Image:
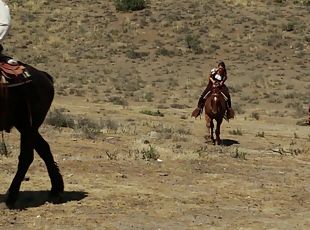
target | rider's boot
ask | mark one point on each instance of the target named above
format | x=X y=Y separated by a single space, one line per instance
x=230 y=111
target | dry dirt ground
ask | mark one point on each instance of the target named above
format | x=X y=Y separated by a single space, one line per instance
x=120 y=126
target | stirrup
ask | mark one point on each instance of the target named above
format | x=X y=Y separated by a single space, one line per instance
x=12 y=62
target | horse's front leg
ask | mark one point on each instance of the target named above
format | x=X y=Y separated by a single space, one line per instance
x=218 y=132
x=25 y=159
x=212 y=131
x=209 y=123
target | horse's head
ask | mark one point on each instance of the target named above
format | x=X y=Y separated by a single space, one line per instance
x=216 y=98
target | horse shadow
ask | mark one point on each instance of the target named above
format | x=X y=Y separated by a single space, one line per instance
x=229 y=142
x=31 y=199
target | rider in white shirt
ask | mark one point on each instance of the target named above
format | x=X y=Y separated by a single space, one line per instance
x=5 y=20
x=5 y=23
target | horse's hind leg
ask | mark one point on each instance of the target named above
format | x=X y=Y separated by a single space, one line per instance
x=25 y=159
x=44 y=151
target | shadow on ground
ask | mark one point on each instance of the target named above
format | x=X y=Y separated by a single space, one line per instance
x=30 y=199
x=229 y=142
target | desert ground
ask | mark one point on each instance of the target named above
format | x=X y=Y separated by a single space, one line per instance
x=120 y=126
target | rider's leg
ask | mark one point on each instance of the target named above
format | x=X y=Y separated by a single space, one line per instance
x=229 y=102
x=202 y=99
x=5 y=58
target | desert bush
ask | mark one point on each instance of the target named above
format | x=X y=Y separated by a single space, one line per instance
x=88 y=127
x=152 y=113
x=110 y=125
x=193 y=43
x=59 y=119
x=236 y=132
x=149 y=96
x=165 y=52
x=255 y=115
x=302 y=2
x=262 y=134
x=288 y=27
x=213 y=48
x=130 y=5
x=179 y=106
x=183 y=131
x=150 y=153
x=133 y=54
x=240 y=155
x=118 y=101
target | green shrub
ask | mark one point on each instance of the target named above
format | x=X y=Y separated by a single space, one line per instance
x=150 y=154
x=130 y=5
x=152 y=113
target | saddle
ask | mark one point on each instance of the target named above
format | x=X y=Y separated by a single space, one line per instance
x=13 y=74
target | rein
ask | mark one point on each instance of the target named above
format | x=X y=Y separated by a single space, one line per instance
x=8 y=85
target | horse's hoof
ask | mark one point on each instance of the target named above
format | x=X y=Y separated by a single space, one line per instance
x=11 y=199
x=56 y=197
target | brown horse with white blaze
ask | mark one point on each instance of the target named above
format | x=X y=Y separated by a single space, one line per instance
x=215 y=108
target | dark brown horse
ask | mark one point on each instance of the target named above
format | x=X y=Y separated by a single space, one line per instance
x=215 y=108
x=25 y=107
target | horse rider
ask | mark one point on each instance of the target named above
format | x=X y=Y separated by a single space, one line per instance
x=217 y=75
x=5 y=23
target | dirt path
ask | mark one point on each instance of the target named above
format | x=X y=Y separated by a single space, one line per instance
x=210 y=189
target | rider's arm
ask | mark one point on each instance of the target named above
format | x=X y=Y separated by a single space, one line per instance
x=224 y=79
x=211 y=78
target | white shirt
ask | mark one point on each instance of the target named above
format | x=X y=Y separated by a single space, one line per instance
x=5 y=17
